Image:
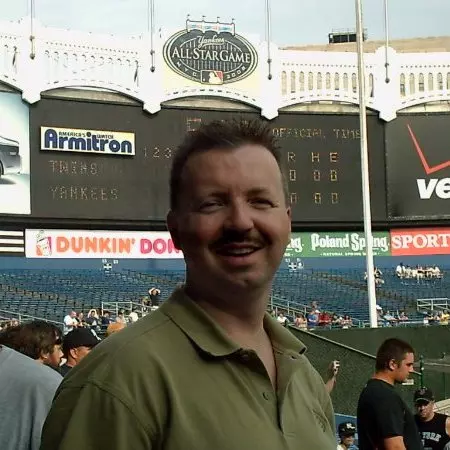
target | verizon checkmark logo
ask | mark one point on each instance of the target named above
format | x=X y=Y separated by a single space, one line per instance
x=428 y=169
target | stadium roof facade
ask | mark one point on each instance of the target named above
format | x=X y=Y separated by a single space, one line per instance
x=417 y=45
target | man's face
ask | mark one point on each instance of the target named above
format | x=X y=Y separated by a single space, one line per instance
x=80 y=352
x=54 y=358
x=232 y=223
x=348 y=441
x=404 y=368
x=424 y=409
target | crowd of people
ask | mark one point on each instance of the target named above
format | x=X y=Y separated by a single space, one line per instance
x=418 y=273
x=105 y=323
x=384 y=420
x=313 y=319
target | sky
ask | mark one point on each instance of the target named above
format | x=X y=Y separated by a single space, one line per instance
x=293 y=21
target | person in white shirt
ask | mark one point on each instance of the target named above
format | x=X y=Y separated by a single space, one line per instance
x=133 y=316
x=282 y=319
x=70 y=322
x=400 y=270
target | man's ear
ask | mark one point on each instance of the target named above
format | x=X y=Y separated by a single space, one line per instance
x=172 y=226
x=393 y=364
x=289 y=212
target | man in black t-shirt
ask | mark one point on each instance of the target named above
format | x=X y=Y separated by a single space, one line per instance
x=384 y=421
x=434 y=428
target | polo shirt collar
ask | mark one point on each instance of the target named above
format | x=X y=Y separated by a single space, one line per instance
x=211 y=338
x=198 y=325
x=282 y=339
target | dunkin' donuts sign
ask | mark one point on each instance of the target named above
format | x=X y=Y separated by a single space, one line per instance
x=210 y=53
x=99 y=244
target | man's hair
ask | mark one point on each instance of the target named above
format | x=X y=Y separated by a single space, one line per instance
x=391 y=349
x=33 y=339
x=222 y=135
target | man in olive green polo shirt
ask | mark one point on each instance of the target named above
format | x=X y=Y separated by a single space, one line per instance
x=209 y=369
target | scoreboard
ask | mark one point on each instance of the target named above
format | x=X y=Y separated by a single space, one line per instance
x=321 y=159
x=323 y=162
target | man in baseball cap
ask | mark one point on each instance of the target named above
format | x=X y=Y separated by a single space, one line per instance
x=346 y=431
x=76 y=345
x=434 y=428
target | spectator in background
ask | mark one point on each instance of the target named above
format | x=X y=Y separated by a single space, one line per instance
x=346 y=322
x=92 y=319
x=332 y=373
x=114 y=328
x=346 y=432
x=300 y=321
x=400 y=271
x=378 y=274
x=325 y=319
x=8 y=323
x=133 y=317
x=384 y=420
x=70 y=322
x=390 y=319
x=38 y=340
x=336 y=320
x=26 y=393
x=436 y=273
x=434 y=428
x=81 y=320
x=445 y=316
x=402 y=317
x=154 y=294
x=105 y=320
x=146 y=303
x=434 y=318
x=282 y=319
x=76 y=345
x=121 y=317
x=313 y=319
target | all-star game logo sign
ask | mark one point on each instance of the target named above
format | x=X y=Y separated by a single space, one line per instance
x=210 y=53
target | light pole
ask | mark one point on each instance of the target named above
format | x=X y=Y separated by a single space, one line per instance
x=365 y=167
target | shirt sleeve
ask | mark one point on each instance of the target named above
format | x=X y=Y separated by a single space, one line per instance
x=90 y=418
x=389 y=414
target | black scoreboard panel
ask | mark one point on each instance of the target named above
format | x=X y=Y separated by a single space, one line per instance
x=98 y=186
x=320 y=153
x=323 y=161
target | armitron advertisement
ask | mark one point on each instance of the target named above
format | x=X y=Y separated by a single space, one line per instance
x=328 y=244
x=426 y=241
x=99 y=244
x=87 y=141
x=418 y=167
x=14 y=155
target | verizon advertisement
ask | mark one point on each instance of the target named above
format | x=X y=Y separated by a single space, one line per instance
x=99 y=244
x=414 y=242
x=418 y=167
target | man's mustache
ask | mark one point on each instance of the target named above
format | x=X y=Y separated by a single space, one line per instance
x=237 y=237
